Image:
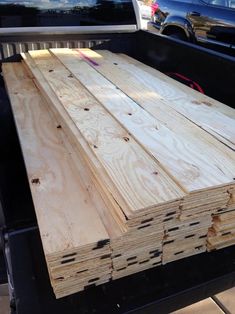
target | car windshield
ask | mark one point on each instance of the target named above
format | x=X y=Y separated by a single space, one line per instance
x=66 y=13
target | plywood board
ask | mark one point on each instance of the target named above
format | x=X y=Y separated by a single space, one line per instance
x=213 y=116
x=60 y=198
x=156 y=137
x=130 y=168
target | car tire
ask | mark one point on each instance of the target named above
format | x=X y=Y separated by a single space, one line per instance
x=177 y=34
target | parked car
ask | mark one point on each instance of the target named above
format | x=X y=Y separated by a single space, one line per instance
x=211 y=22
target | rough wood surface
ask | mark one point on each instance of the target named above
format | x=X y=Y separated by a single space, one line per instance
x=73 y=133
x=121 y=179
x=180 y=146
x=140 y=180
x=213 y=116
x=65 y=212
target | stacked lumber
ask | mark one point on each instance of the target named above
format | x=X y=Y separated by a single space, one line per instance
x=75 y=241
x=185 y=238
x=125 y=173
x=222 y=232
x=184 y=161
x=146 y=200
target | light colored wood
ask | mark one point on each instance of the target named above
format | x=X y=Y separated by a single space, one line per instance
x=4 y=289
x=97 y=144
x=190 y=150
x=4 y=305
x=179 y=254
x=231 y=203
x=227 y=216
x=65 y=213
x=70 y=225
x=207 y=306
x=228 y=239
x=74 y=134
x=129 y=167
x=69 y=127
x=226 y=300
x=213 y=116
x=130 y=248
x=222 y=232
x=215 y=104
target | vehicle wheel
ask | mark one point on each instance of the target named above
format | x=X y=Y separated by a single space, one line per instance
x=178 y=35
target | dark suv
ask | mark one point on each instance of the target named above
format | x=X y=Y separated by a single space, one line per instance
x=207 y=21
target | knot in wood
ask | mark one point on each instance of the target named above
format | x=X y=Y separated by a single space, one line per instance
x=35 y=181
x=126 y=139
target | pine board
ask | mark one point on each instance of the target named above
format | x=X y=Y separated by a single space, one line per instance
x=51 y=172
x=110 y=136
x=112 y=145
x=73 y=134
x=189 y=92
x=210 y=114
x=178 y=151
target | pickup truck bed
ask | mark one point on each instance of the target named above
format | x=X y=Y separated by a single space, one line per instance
x=161 y=289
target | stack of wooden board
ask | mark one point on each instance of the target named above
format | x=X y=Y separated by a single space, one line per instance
x=185 y=238
x=148 y=195
x=222 y=233
x=75 y=241
x=174 y=141
x=125 y=173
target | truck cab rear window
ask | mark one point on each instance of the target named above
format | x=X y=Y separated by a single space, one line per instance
x=39 y=13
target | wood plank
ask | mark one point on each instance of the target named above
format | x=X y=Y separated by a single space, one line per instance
x=66 y=214
x=212 y=115
x=207 y=306
x=179 y=157
x=205 y=116
x=226 y=300
x=73 y=133
x=5 y=304
x=226 y=216
x=138 y=80
x=215 y=104
x=130 y=168
x=209 y=116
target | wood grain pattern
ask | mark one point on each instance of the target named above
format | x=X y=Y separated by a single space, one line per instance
x=179 y=156
x=199 y=111
x=215 y=104
x=213 y=116
x=83 y=150
x=65 y=212
x=108 y=158
x=130 y=168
